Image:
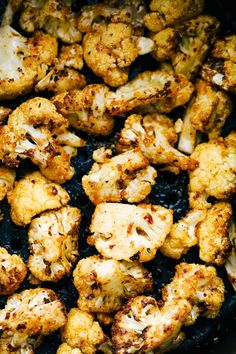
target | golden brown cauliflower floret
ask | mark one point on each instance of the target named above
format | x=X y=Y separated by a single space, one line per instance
x=220 y=68
x=127 y=176
x=30 y=59
x=159 y=87
x=144 y=327
x=7 y=179
x=34 y=194
x=171 y=12
x=27 y=316
x=54 y=16
x=230 y=264
x=104 y=284
x=137 y=233
x=53 y=242
x=86 y=110
x=213 y=234
x=13 y=272
x=81 y=332
x=216 y=174
x=111 y=49
x=155 y=136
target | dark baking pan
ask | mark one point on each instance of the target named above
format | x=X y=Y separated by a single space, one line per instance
x=206 y=336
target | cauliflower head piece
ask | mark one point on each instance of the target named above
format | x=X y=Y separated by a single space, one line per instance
x=7 y=179
x=136 y=235
x=104 y=284
x=127 y=176
x=34 y=194
x=13 y=272
x=30 y=59
x=53 y=242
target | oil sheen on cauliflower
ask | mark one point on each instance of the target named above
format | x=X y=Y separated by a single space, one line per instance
x=110 y=50
x=104 y=284
x=53 y=16
x=168 y=12
x=53 y=242
x=30 y=59
x=13 y=272
x=7 y=179
x=81 y=332
x=40 y=133
x=215 y=175
x=27 y=317
x=155 y=136
x=230 y=264
x=34 y=194
x=166 y=91
x=86 y=109
x=136 y=235
x=127 y=176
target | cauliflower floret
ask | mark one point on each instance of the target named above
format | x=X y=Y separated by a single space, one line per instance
x=171 y=12
x=34 y=194
x=102 y=155
x=27 y=316
x=216 y=174
x=7 y=179
x=183 y=235
x=54 y=16
x=53 y=242
x=104 y=284
x=143 y=327
x=86 y=109
x=12 y=7
x=30 y=59
x=39 y=131
x=126 y=176
x=4 y=112
x=213 y=234
x=155 y=136
x=165 y=90
x=66 y=349
x=111 y=49
x=230 y=264
x=220 y=68
x=81 y=332
x=13 y=272
x=136 y=235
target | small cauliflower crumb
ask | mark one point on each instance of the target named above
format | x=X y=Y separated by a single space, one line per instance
x=7 y=179
x=230 y=264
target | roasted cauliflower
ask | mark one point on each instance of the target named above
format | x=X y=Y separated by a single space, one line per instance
x=13 y=272
x=12 y=8
x=104 y=284
x=136 y=235
x=30 y=59
x=215 y=175
x=4 y=112
x=34 y=194
x=7 y=179
x=26 y=317
x=53 y=242
x=54 y=16
x=123 y=177
x=230 y=264
x=86 y=109
x=155 y=136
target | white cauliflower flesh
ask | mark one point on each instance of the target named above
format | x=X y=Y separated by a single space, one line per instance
x=216 y=173
x=213 y=234
x=144 y=327
x=86 y=110
x=124 y=177
x=13 y=272
x=53 y=242
x=34 y=194
x=183 y=235
x=136 y=235
x=53 y=16
x=27 y=316
x=168 y=12
x=38 y=132
x=7 y=179
x=155 y=136
x=104 y=284
x=111 y=49
x=30 y=59
x=81 y=332
x=165 y=90
x=230 y=264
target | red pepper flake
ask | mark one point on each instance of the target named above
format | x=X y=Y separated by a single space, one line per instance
x=148 y=218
